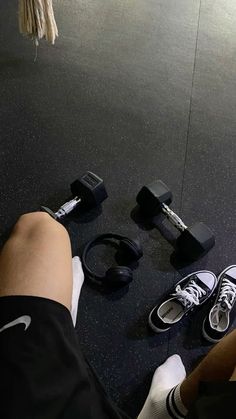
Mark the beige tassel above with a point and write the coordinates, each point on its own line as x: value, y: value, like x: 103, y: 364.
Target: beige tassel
x: 36, y: 19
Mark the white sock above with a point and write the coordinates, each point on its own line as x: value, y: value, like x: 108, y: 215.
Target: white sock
x: 164, y: 401
x: 78, y: 279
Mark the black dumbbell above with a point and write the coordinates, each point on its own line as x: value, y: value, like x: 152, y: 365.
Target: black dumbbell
x: 88, y: 191
x: 193, y: 242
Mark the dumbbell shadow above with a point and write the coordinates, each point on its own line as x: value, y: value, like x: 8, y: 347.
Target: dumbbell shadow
x: 83, y: 216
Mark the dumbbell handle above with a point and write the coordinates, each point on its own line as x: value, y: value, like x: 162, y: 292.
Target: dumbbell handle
x: 64, y: 209
x: 67, y: 207
x: 173, y: 217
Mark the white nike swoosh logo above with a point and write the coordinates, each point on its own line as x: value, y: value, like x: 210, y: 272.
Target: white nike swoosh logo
x: 26, y: 320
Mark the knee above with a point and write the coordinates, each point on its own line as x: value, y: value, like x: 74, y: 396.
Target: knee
x: 37, y: 223
x: 32, y: 221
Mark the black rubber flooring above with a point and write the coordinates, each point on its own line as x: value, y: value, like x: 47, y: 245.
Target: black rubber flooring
x: 133, y: 91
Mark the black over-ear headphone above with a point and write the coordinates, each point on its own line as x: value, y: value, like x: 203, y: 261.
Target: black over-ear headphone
x: 116, y: 275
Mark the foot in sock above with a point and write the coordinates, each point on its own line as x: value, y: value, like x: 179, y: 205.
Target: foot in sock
x: 163, y: 401
x: 78, y: 279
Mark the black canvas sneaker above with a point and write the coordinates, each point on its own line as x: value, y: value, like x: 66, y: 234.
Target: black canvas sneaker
x: 223, y: 312
x: 192, y: 291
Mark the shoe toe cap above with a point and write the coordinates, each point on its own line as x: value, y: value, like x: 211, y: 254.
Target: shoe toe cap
x: 231, y: 272
x: 208, y: 278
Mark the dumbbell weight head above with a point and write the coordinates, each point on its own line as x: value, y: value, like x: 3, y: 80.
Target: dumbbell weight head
x: 91, y: 189
x: 151, y: 197
x: 195, y: 241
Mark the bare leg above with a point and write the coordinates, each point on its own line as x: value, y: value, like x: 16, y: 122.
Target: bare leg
x: 36, y: 260
x: 172, y: 395
x: 233, y: 376
x: 218, y: 365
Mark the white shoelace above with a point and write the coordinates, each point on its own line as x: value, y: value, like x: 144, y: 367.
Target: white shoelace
x: 225, y: 301
x: 190, y: 295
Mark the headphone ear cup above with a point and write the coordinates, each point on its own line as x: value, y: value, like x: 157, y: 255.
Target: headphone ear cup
x: 119, y: 275
x: 131, y: 248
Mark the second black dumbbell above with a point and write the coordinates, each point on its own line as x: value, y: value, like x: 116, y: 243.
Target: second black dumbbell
x: 193, y: 242
x: 88, y: 192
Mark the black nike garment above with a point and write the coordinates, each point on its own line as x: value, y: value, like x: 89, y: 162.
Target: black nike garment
x: 215, y: 401
x: 43, y: 374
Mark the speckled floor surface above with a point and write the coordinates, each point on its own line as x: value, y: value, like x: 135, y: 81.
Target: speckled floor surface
x: 133, y: 91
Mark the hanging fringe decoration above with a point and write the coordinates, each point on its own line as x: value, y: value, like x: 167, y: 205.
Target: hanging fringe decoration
x: 36, y: 20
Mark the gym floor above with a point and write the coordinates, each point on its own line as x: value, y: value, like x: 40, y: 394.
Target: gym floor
x: 134, y: 91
